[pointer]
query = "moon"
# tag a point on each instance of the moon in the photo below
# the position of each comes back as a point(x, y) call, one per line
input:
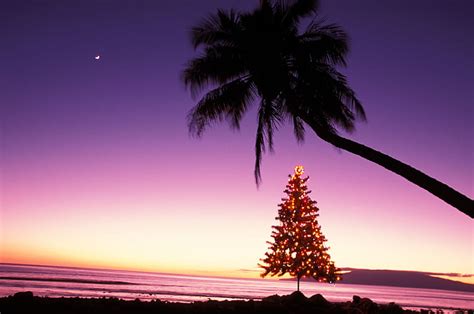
point(97, 57)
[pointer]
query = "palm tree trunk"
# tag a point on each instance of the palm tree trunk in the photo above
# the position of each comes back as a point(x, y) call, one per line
point(435, 187)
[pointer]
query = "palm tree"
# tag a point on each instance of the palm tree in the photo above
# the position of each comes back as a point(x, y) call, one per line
point(262, 57)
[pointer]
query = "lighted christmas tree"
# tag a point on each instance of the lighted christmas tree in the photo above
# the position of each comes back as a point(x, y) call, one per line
point(298, 247)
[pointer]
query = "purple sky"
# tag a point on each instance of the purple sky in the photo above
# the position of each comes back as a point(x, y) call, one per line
point(104, 143)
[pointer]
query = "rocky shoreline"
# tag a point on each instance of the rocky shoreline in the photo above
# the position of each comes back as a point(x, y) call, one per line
point(295, 303)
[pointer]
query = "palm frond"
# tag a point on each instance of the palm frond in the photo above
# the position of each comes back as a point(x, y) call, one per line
point(259, 147)
point(291, 103)
point(269, 119)
point(341, 89)
point(298, 129)
point(228, 101)
point(289, 13)
point(304, 8)
point(262, 54)
point(322, 93)
point(328, 43)
point(217, 65)
point(217, 28)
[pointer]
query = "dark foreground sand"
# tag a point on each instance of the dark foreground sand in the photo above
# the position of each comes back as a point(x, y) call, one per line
point(25, 302)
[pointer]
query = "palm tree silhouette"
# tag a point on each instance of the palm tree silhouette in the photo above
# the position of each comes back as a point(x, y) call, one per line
point(262, 57)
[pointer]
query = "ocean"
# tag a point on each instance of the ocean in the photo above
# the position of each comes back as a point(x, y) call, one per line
point(92, 283)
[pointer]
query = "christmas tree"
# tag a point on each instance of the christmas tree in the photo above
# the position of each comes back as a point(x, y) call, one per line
point(298, 247)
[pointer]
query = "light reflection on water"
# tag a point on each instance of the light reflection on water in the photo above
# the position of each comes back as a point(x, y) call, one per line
point(180, 288)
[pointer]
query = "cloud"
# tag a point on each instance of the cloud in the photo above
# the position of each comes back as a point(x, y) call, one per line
point(248, 270)
point(458, 275)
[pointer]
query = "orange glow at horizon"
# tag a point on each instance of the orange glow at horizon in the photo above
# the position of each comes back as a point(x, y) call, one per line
point(32, 257)
point(207, 241)
point(184, 226)
point(14, 256)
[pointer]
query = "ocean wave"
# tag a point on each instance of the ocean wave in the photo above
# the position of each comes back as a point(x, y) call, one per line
point(98, 282)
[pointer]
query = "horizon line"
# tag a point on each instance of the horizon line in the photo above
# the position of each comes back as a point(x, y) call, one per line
point(459, 275)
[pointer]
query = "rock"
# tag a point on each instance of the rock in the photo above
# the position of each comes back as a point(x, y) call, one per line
point(25, 295)
point(272, 299)
point(391, 308)
point(367, 306)
point(319, 301)
point(356, 299)
point(347, 308)
point(296, 297)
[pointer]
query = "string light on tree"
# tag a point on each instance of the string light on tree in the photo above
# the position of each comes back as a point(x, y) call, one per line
point(298, 243)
